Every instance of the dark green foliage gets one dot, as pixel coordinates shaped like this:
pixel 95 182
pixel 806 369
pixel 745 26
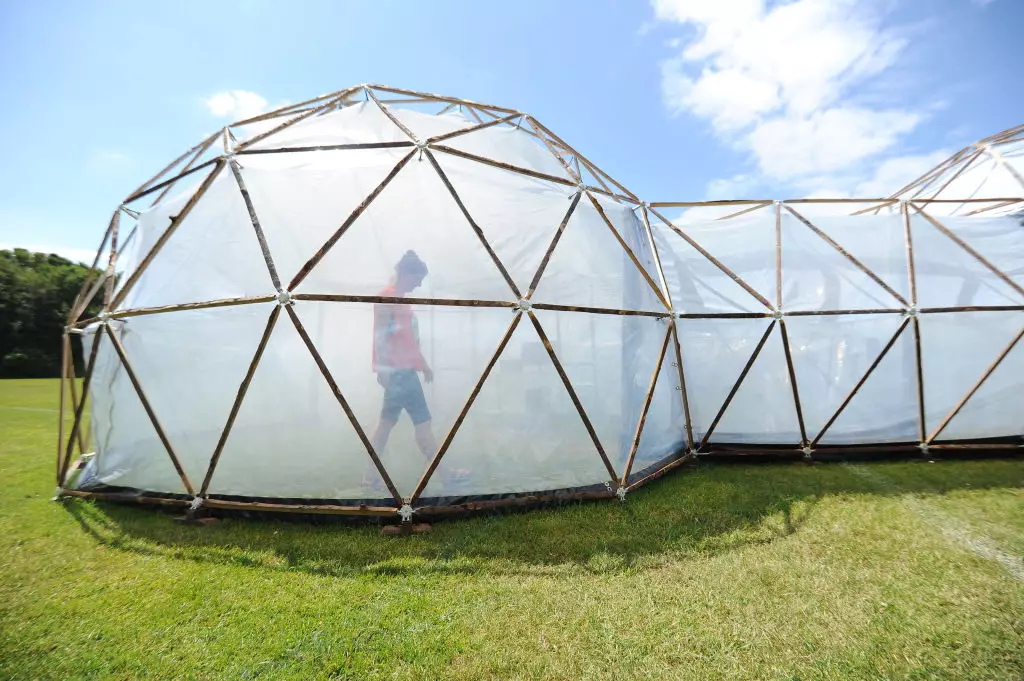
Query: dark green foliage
pixel 37 291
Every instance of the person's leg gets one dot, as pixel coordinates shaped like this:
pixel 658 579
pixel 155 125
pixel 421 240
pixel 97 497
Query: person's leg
pixel 425 439
pixel 390 410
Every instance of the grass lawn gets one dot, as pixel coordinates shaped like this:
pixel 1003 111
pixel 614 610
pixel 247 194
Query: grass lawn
pixel 867 571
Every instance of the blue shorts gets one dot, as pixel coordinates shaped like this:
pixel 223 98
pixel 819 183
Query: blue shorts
pixel 405 392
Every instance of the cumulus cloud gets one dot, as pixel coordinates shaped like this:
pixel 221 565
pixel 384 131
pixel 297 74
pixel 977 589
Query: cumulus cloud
pixel 780 82
pixel 236 104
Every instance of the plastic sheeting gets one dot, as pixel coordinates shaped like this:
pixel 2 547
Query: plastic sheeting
pixel 539 343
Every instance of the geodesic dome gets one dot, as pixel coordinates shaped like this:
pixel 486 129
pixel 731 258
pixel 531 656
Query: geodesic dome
pixel 261 343
pixel 381 301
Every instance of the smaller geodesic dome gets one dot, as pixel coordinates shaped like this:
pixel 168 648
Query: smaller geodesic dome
pixel 238 358
pixel 984 177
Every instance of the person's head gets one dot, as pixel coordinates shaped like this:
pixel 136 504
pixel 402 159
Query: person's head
pixel 409 272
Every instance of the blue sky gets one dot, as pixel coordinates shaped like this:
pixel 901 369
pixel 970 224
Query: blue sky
pixel 677 99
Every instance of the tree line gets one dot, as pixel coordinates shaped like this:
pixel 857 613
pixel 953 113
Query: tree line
pixel 37 291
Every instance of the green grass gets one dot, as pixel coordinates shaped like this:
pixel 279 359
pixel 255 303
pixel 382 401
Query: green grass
pixel 889 570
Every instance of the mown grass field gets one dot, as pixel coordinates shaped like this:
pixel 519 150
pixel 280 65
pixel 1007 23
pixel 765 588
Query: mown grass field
pixel 869 571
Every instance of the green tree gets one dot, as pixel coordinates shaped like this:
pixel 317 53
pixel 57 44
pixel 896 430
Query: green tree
pixel 37 291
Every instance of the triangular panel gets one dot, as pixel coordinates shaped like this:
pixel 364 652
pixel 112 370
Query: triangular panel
pixel 425 125
pixel 362 123
pixel 831 354
pixel 1000 240
pixel 885 408
pixel 956 349
pixel 510 145
pixel 590 268
pixel 522 434
pixel 877 241
pixel 455 342
pixel 414 212
pixel 518 214
pixel 744 244
pixel 609 360
pixel 129 452
pixel 213 253
pixel 291 438
pixel 696 284
pixel 301 199
pixel 714 353
pixel 664 433
pixel 816 276
pixel 947 275
pixel 995 409
pixel 190 363
pixel 763 411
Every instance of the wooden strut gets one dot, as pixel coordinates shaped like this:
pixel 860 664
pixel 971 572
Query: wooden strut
pixel 988 372
pixel 535 282
pixel 242 389
pixel 182 307
pixel 439 98
pixel 973 308
pixel 638 433
pixel 736 385
pixel 236 170
pixel 112 260
pixel 175 222
pixel 444 302
pixel 572 394
pixel 472 223
pixel 292 121
pixel 319 255
pixel 651 477
pixel 863 379
pixel 119 349
pixel 574 174
pixel 682 386
pixel 157 187
pixel 188 166
pixel 657 257
pixel 145 185
pixel 327 147
pixel 503 166
pixel 819 313
pixel 629 252
pixel 974 254
pixel 287 109
pixel 912 274
pixel 325 509
pixel 792 381
pixel 386 110
pixel 65 351
pixel 79 409
pixel 700 249
pixel 446 443
pixel 778 256
pixel 922 428
pixel 861 266
pixel 751 209
pixel 344 404
pixel 951 179
pixel 87 282
pixel 72 380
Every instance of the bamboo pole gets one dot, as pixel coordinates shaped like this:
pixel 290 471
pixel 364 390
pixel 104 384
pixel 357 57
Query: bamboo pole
pixel 744 211
pixel 289 108
pixel 77 425
pixel 813 313
pixel 638 433
pixel 629 251
pixel 988 372
pixel 706 204
pixel 439 98
pixel 778 256
pixel 504 166
pixel 188 166
pixel 125 497
pixel 386 110
pixel 319 255
pixel 861 266
pixel 446 443
pixel 292 121
pixel 651 477
pixel 736 386
pixel 324 509
pixel 458 133
pixel 922 428
pixel 242 389
pixel 724 315
pixel 182 307
pixel 700 249
pixel 87 282
pixel 973 253
pixel 166 183
pixel 112 260
pixel 682 386
pixel 518 501
pixel 972 308
pixel 997 206
pixel 572 394
pixel 446 302
pixel 175 222
pixel 119 349
pixel 236 170
pixel 297 323
pixel 657 257
pixel 145 185
pixel 65 351
pixel 574 174
pixel 535 282
pixel 327 147
pixel 863 379
pixel 793 384
pixel 598 310
pixel 472 223
pixel 82 439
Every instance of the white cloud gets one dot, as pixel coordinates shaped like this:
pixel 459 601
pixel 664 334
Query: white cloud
pixel 236 104
pixel 781 82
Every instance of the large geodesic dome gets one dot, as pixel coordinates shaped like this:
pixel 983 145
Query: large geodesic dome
pixel 382 301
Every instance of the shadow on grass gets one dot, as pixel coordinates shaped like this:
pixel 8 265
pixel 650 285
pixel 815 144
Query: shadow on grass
pixel 710 510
